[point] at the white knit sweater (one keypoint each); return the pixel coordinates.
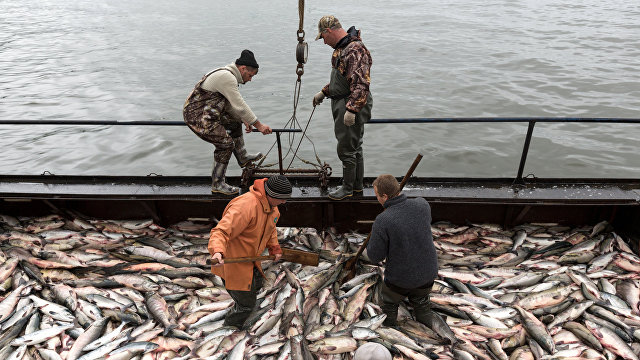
(226, 83)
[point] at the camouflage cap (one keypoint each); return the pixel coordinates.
(327, 22)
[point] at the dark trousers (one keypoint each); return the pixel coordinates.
(418, 298)
(244, 302)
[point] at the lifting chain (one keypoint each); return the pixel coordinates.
(302, 49)
(322, 169)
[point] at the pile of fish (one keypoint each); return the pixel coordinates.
(78, 288)
(539, 291)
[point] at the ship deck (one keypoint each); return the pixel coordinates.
(168, 199)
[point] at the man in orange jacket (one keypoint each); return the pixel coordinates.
(248, 226)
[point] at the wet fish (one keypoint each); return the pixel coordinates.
(610, 340)
(537, 330)
(397, 337)
(90, 335)
(7, 268)
(158, 308)
(135, 271)
(334, 345)
(54, 310)
(13, 331)
(40, 335)
(107, 338)
(7, 305)
(518, 239)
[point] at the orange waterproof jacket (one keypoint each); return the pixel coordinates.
(248, 226)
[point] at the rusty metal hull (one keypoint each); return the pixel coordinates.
(172, 199)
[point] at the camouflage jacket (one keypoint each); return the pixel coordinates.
(353, 60)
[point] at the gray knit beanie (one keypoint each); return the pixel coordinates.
(278, 187)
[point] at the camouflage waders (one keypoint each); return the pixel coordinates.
(349, 137)
(204, 113)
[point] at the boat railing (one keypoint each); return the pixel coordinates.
(530, 120)
(523, 157)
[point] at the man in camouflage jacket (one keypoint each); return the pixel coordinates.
(351, 100)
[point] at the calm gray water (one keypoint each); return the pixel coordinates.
(138, 60)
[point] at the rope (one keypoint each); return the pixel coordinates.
(304, 134)
(301, 15)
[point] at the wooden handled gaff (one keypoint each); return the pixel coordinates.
(350, 264)
(290, 255)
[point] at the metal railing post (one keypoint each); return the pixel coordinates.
(278, 131)
(279, 152)
(525, 150)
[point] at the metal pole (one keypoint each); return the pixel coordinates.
(277, 131)
(503, 120)
(525, 151)
(279, 152)
(372, 121)
(92, 122)
(113, 123)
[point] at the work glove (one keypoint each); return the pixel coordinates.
(349, 118)
(317, 98)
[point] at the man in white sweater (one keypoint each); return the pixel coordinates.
(215, 111)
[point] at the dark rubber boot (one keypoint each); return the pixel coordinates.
(419, 299)
(218, 184)
(358, 184)
(423, 313)
(390, 302)
(392, 314)
(237, 318)
(241, 154)
(346, 190)
(435, 322)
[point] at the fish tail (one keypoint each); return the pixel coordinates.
(168, 329)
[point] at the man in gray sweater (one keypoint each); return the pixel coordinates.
(215, 111)
(401, 234)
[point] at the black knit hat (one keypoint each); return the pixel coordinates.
(278, 187)
(247, 58)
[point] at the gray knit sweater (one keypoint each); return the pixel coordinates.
(402, 235)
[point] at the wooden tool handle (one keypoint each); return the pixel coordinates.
(410, 172)
(363, 246)
(290, 255)
(242, 259)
